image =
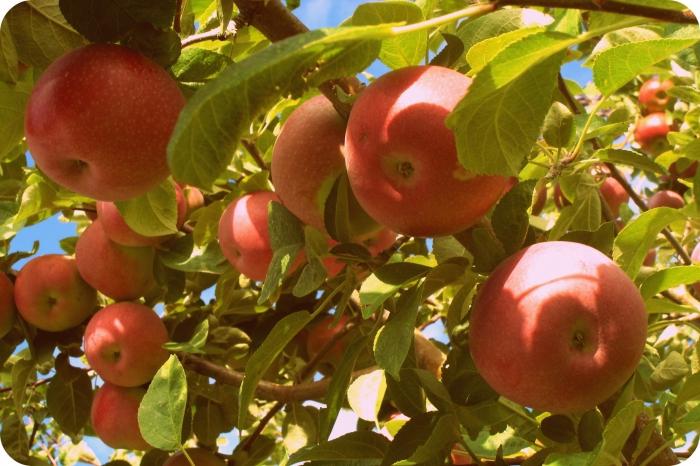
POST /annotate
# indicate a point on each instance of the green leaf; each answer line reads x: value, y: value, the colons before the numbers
x: 199, y: 65
x: 221, y: 112
x: 444, y: 434
x: 195, y: 344
x: 669, y: 372
x: 41, y: 33
x: 314, y: 273
x: 499, y: 120
x: 398, y: 52
x: 13, y: 100
x: 690, y: 390
x: 281, y: 334
x: 15, y: 440
x: 338, y: 386
x: 584, y: 214
x: 483, y: 52
x: 601, y: 239
x: 109, y: 21
x: 182, y: 254
x: 558, y: 128
x: 590, y: 429
x: 616, y: 66
x: 153, y: 213
x: 635, y: 240
x: 688, y: 423
x: 559, y: 428
x: 69, y: 398
x: 162, y: 410
x: 355, y: 445
x: 286, y: 239
x: 9, y: 62
x: 163, y: 47
x: 23, y: 372
x: 669, y: 278
x: 628, y: 157
x: 569, y: 459
x: 210, y: 420
x: 382, y: 284
x: 616, y: 432
x: 510, y: 219
x: 299, y: 428
x: 366, y: 394
x: 394, y: 339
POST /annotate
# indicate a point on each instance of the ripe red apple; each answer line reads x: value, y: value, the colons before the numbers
x: 307, y: 159
x: 558, y: 327
x: 614, y: 195
x: 200, y: 457
x: 120, y: 272
x: 666, y: 198
x: 459, y: 456
x: 193, y: 197
x: 116, y: 228
x: 402, y: 159
x: 124, y: 343
x: 244, y: 237
x: 652, y: 94
x: 51, y: 295
x: 651, y: 132
x: 7, y: 305
x: 320, y: 333
x: 99, y: 120
x: 688, y: 172
x: 695, y: 257
x: 114, y: 416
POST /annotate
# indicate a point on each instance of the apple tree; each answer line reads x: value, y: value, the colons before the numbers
x: 414, y: 220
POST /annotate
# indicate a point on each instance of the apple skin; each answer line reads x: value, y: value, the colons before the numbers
x: 650, y: 258
x: 688, y: 172
x: 244, y: 237
x: 402, y: 158
x: 460, y: 457
x: 123, y: 343
x: 7, y: 305
x: 695, y: 258
x: 320, y: 333
x: 120, y: 272
x: 51, y: 295
x: 99, y: 120
x: 200, y: 457
x: 652, y: 94
x: 193, y: 197
x: 114, y: 416
x: 666, y: 198
x: 116, y: 228
x: 614, y: 194
x: 557, y: 327
x: 651, y: 132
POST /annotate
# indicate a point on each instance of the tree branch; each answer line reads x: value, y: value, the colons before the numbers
x: 611, y: 6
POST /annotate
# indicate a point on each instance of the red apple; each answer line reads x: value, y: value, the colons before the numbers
x: 99, y: 120
x: 51, y: 295
x: 200, y: 457
x: 116, y: 228
x: 114, y: 416
x: 459, y: 456
x: 695, y: 257
x: 652, y: 94
x: 666, y: 198
x: 557, y: 327
x: 402, y: 159
x: 650, y: 258
x: 614, y: 195
x: 193, y: 197
x: 124, y: 343
x: 688, y: 172
x: 651, y: 132
x: 7, y: 305
x: 320, y: 333
x: 120, y: 272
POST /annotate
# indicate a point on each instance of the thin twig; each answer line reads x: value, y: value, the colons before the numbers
x: 255, y: 153
x: 178, y: 16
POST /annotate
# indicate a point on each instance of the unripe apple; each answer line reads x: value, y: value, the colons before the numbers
x: 51, y: 295
x: 124, y: 343
x: 614, y: 195
x: 7, y: 305
x: 99, y: 120
x: 402, y: 158
x: 322, y: 332
x: 653, y: 96
x: 651, y: 132
x: 558, y: 327
x: 114, y: 416
x: 306, y: 161
x: 120, y: 272
x: 200, y: 457
x: 116, y: 228
x: 666, y: 198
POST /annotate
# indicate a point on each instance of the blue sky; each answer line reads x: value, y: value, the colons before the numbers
x: 315, y: 14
